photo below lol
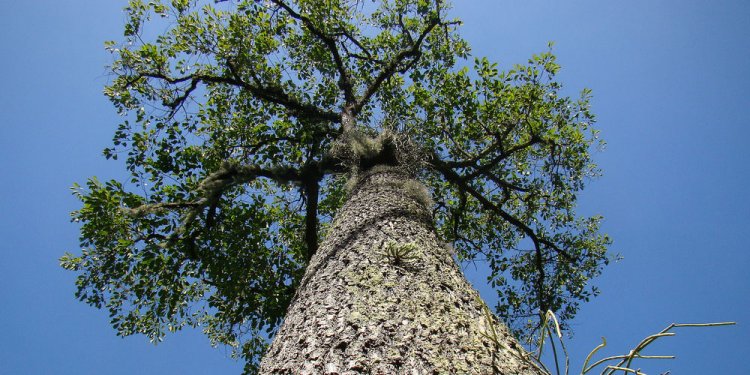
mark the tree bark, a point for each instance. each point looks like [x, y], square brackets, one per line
[383, 295]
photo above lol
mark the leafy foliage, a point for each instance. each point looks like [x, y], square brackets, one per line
[230, 116]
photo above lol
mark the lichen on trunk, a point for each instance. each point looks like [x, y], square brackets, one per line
[383, 295]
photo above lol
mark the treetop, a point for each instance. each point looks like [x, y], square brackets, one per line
[242, 121]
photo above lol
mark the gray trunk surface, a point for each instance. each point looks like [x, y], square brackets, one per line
[383, 295]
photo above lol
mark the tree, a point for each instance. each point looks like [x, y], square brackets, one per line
[249, 125]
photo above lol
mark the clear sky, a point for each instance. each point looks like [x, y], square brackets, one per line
[670, 80]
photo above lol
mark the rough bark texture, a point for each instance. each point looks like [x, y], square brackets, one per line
[383, 295]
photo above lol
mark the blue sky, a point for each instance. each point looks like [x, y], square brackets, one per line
[670, 82]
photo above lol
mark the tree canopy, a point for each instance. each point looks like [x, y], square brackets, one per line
[243, 120]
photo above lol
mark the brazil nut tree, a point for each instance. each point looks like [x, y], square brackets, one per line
[305, 175]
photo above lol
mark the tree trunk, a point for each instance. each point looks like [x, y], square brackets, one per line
[382, 295]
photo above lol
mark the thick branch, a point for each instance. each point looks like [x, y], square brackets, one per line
[214, 185]
[311, 185]
[539, 264]
[162, 206]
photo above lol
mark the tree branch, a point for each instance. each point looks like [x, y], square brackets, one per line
[213, 186]
[393, 66]
[471, 162]
[451, 176]
[272, 94]
[538, 241]
[368, 55]
[345, 81]
[210, 191]
[311, 175]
